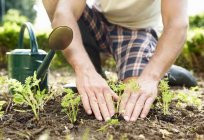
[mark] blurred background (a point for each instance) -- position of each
(15, 12)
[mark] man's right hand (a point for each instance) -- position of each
(96, 95)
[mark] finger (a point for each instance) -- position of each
(85, 101)
(138, 107)
(94, 105)
(114, 95)
(124, 99)
(147, 107)
(103, 106)
(109, 103)
(130, 105)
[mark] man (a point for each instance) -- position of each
(128, 30)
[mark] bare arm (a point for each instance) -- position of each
(67, 12)
(175, 21)
(50, 7)
(170, 44)
(95, 93)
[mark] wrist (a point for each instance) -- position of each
(153, 72)
(155, 78)
(81, 68)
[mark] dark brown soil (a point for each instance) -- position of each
(182, 123)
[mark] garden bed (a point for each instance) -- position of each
(185, 122)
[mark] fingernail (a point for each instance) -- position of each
(133, 119)
(143, 116)
(122, 111)
(112, 113)
(89, 112)
(100, 118)
(126, 118)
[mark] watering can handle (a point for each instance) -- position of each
(33, 41)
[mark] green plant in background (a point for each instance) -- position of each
(25, 7)
(166, 94)
(70, 104)
(109, 63)
(1, 106)
(189, 97)
(197, 21)
(109, 123)
(29, 94)
(193, 53)
(13, 17)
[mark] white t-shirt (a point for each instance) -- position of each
(132, 14)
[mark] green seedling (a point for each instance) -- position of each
(1, 106)
(86, 134)
(3, 83)
(70, 104)
(29, 94)
(119, 89)
(124, 137)
(167, 95)
(110, 137)
(190, 97)
(111, 122)
(132, 86)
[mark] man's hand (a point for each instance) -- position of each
(134, 104)
(96, 95)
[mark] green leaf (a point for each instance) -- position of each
(18, 98)
(22, 111)
(2, 103)
(1, 114)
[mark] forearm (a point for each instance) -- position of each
(171, 42)
(168, 48)
(75, 54)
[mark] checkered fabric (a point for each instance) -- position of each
(131, 49)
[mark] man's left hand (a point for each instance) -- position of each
(138, 103)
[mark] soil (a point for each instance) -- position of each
(182, 123)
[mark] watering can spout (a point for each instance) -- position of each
(59, 39)
(43, 68)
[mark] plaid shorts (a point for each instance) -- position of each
(131, 49)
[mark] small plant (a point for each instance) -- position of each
(124, 137)
(132, 86)
(3, 83)
(110, 137)
(167, 95)
(86, 134)
(1, 106)
(190, 97)
(70, 104)
(111, 122)
(29, 94)
(118, 89)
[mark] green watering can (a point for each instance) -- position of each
(24, 62)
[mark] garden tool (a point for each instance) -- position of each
(24, 62)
